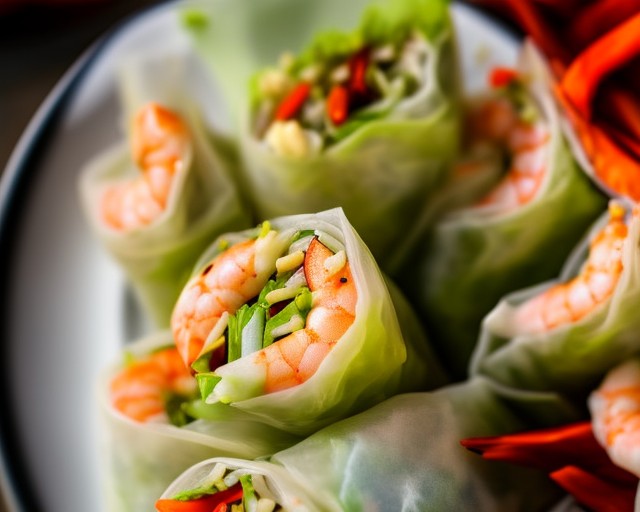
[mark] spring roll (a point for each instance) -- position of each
(365, 119)
(156, 199)
(567, 333)
(288, 320)
(153, 427)
(478, 253)
(402, 454)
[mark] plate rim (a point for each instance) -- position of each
(17, 490)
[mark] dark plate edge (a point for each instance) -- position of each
(18, 491)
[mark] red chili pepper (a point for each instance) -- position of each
(545, 449)
(607, 54)
(338, 104)
(292, 103)
(616, 167)
(572, 457)
(501, 76)
(209, 503)
(358, 64)
(597, 494)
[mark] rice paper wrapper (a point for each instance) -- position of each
(475, 255)
(204, 201)
(383, 174)
(573, 358)
(141, 459)
(405, 454)
(384, 351)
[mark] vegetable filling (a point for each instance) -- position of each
(309, 276)
(224, 489)
(340, 82)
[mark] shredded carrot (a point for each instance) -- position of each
(292, 103)
(617, 169)
(608, 53)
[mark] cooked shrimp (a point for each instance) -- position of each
(615, 413)
(140, 390)
(571, 301)
(159, 143)
(527, 144)
(296, 357)
(231, 279)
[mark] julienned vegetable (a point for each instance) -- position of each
(224, 489)
(345, 80)
(244, 485)
(286, 321)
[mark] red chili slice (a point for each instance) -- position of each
(501, 76)
(358, 64)
(209, 503)
(338, 104)
(292, 103)
(593, 492)
(551, 449)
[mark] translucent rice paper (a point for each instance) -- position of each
(572, 358)
(383, 353)
(141, 459)
(385, 173)
(204, 201)
(405, 454)
(476, 255)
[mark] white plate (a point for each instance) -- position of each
(66, 306)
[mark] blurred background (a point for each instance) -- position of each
(39, 41)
